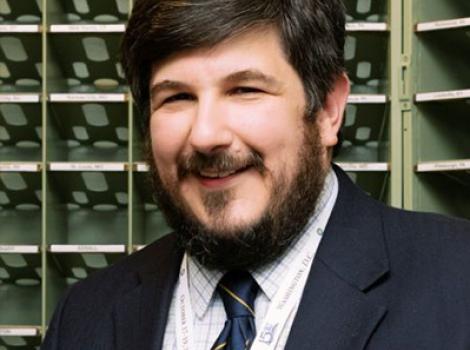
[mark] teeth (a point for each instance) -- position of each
(214, 175)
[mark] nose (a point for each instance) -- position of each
(210, 130)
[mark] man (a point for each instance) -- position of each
(274, 248)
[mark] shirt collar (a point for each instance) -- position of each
(203, 281)
(202, 285)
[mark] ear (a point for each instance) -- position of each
(330, 117)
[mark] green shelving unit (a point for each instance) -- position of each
(21, 131)
(437, 139)
(20, 255)
(371, 152)
(73, 179)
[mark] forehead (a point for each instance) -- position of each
(257, 49)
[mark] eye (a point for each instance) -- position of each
(239, 90)
(178, 97)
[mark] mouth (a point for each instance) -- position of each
(213, 178)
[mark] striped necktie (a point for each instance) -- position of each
(238, 291)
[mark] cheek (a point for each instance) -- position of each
(275, 130)
(168, 135)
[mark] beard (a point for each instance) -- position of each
(243, 246)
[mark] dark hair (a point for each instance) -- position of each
(312, 33)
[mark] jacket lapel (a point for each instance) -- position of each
(337, 310)
(140, 315)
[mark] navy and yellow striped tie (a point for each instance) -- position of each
(238, 290)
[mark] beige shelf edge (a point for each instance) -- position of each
(87, 166)
(87, 28)
(19, 249)
(446, 165)
(443, 25)
(20, 166)
(364, 166)
(366, 27)
(87, 248)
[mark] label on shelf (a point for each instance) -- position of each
(441, 25)
(141, 167)
(447, 165)
(355, 166)
(19, 28)
(19, 249)
(19, 98)
(358, 98)
(18, 331)
(443, 95)
(88, 166)
(88, 28)
(87, 248)
(20, 167)
(366, 27)
(91, 97)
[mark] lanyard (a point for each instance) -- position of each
(184, 310)
(284, 303)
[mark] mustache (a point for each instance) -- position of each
(220, 161)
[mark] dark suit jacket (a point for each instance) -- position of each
(382, 279)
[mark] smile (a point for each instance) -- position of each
(215, 179)
(218, 174)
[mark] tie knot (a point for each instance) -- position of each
(238, 290)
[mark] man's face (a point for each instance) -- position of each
(229, 134)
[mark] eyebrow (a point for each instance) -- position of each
(167, 85)
(253, 75)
